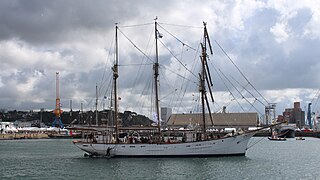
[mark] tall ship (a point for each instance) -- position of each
(155, 141)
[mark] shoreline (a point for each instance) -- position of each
(315, 134)
(15, 136)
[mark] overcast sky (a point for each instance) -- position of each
(276, 45)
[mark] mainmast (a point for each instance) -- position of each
(115, 77)
(156, 75)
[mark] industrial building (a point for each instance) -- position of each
(293, 115)
(220, 120)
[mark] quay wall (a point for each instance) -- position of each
(297, 134)
(23, 136)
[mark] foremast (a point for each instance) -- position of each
(115, 77)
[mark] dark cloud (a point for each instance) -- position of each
(48, 22)
(273, 45)
(267, 63)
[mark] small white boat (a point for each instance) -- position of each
(275, 137)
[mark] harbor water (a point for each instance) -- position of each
(60, 159)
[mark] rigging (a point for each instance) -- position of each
(136, 25)
(244, 88)
(240, 71)
(177, 59)
(242, 96)
(135, 45)
(178, 39)
(229, 90)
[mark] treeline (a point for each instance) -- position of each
(105, 117)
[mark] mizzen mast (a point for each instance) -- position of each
(205, 77)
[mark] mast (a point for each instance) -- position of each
(115, 77)
(205, 77)
(96, 104)
(111, 107)
(202, 84)
(156, 75)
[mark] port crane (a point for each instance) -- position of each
(309, 116)
(57, 111)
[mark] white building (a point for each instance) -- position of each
(7, 127)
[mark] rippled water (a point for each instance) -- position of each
(59, 159)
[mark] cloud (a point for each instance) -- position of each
(272, 42)
(280, 31)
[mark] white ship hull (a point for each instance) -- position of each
(236, 145)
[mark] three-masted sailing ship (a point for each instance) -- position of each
(107, 142)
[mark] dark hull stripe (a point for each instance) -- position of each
(176, 156)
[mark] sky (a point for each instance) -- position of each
(275, 44)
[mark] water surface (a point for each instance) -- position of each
(59, 159)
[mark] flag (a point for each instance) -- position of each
(155, 117)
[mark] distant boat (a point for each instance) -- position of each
(58, 133)
(275, 137)
(300, 138)
(287, 131)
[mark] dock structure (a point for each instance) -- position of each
(297, 134)
(23, 136)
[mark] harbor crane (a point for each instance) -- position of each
(309, 116)
(57, 120)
